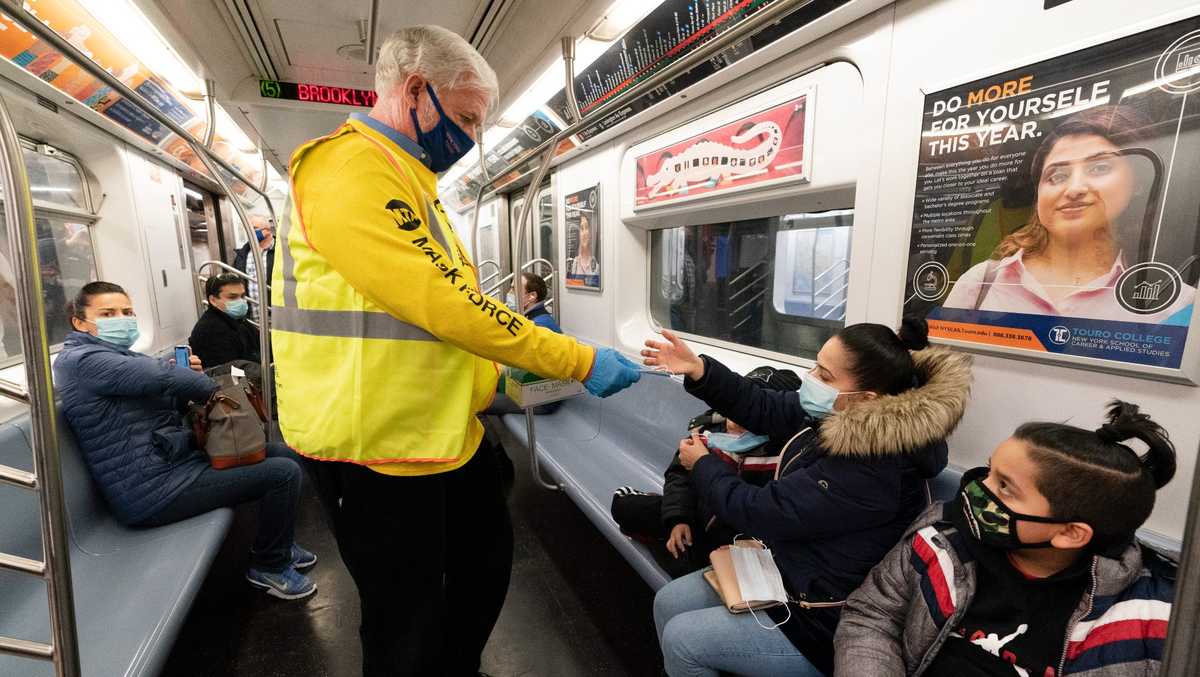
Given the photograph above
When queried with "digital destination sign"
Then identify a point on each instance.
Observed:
(299, 91)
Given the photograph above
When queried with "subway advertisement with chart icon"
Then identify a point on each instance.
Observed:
(1057, 213)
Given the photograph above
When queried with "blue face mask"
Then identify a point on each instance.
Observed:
(817, 397)
(736, 444)
(446, 142)
(237, 309)
(122, 332)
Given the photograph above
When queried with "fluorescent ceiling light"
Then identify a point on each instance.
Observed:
(620, 17)
(123, 19)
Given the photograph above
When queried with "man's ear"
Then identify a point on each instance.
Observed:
(1075, 535)
(414, 86)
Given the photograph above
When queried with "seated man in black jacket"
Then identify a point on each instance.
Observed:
(678, 523)
(223, 334)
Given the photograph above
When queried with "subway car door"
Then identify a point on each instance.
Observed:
(158, 198)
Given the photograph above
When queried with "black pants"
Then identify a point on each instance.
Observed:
(431, 557)
(640, 516)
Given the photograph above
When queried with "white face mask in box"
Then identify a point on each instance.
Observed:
(758, 579)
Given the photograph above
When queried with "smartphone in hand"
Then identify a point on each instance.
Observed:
(183, 357)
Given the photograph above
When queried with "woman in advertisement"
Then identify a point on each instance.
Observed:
(1067, 259)
(584, 264)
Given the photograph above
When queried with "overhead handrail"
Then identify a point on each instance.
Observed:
(212, 162)
(765, 17)
(55, 567)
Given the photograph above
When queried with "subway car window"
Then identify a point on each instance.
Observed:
(55, 180)
(66, 255)
(776, 284)
(67, 261)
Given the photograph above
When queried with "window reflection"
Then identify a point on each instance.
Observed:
(778, 284)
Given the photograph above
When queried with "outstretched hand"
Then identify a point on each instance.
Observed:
(673, 355)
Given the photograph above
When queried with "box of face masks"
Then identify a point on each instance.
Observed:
(529, 390)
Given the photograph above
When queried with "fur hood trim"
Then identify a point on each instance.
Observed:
(912, 420)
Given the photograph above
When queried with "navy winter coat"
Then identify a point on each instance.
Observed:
(849, 485)
(125, 410)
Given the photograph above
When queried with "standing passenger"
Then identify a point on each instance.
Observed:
(385, 350)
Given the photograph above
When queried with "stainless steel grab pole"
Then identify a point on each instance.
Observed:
(479, 197)
(260, 275)
(765, 17)
(568, 55)
(210, 105)
(22, 236)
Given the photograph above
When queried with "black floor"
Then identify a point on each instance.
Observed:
(574, 606)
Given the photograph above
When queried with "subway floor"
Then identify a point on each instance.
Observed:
(574, 606)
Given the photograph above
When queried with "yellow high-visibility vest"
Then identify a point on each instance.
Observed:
(384, 347)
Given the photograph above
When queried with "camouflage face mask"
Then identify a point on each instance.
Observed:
(990, 521)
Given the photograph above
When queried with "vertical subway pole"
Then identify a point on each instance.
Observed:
(56, 549)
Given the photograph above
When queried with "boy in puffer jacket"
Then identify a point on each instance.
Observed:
(1033, 570)
(680, 529)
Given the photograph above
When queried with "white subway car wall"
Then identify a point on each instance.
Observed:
(870, 77)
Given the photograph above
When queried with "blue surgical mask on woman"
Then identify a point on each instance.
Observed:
(237, 308)
(121, 332)
(446, 142)
(818, 397)
(736, 444)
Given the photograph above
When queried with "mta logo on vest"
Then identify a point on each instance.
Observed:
(406, 218)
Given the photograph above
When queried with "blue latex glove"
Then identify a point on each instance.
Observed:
(611, 373)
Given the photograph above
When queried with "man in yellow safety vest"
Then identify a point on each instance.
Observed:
(385, 349)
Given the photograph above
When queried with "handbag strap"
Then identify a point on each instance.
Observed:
(989, 277)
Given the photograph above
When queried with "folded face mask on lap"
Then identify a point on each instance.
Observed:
(736, 444)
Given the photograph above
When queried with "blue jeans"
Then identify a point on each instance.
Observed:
(701, 638)
(274, 483)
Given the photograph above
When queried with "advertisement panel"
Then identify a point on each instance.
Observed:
(1056, 213)
(765, 148)
(582, 215)
(70, 20)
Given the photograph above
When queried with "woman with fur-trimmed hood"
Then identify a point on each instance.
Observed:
(866, 430)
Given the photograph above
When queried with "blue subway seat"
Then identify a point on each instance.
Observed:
(592, 446)
(133, 587)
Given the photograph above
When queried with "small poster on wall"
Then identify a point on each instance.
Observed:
(582, 213)
(763, 149)
(1056, 210)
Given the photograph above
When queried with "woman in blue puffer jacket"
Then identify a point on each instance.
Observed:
(125, 409)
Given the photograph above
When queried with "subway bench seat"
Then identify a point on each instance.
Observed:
(591, 446)
(133, 587)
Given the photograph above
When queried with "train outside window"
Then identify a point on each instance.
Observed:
(777, 284)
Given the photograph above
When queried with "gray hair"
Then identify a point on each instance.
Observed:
(439, 55)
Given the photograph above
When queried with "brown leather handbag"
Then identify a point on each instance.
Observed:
(229, 427)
